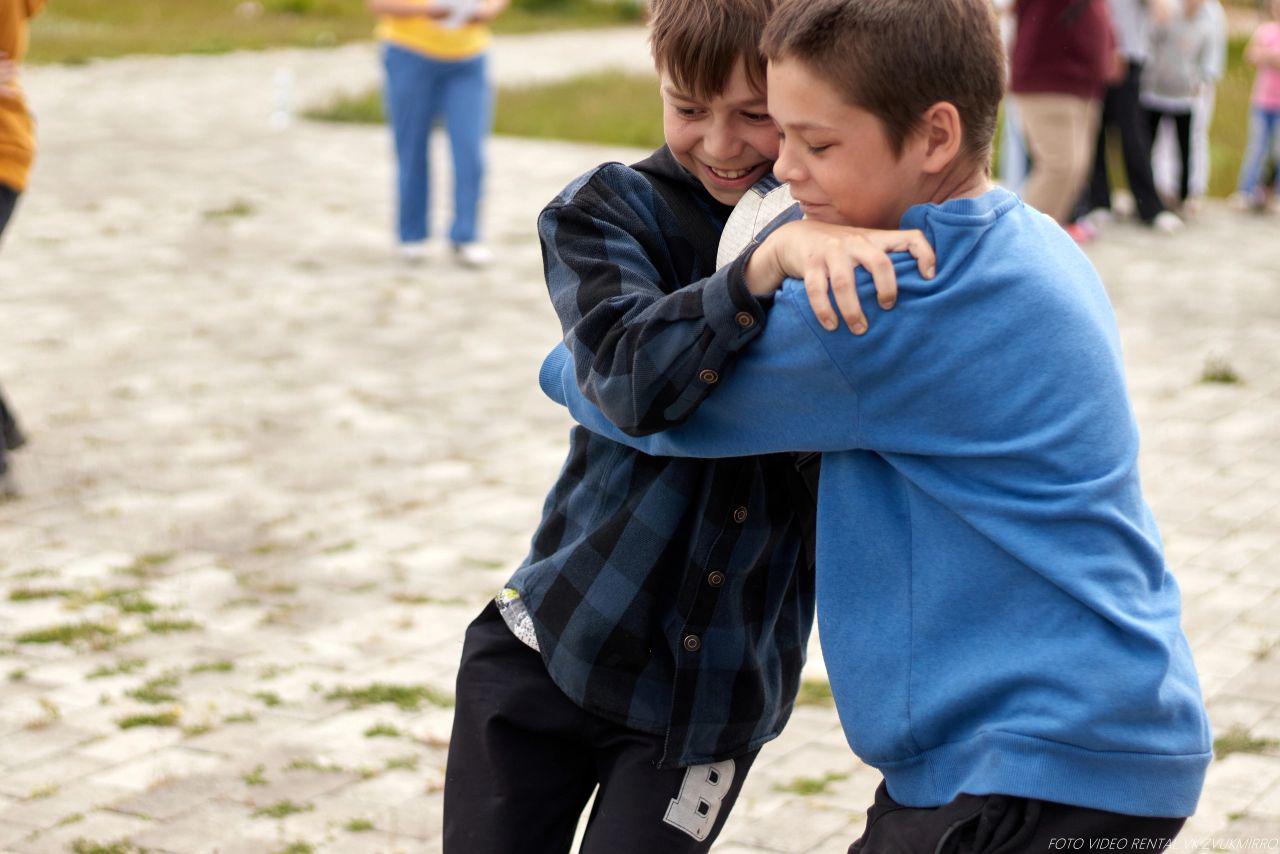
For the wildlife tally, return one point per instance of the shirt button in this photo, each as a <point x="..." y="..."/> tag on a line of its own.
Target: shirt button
<point x="746" y="321"/>
<point x="716" y="578"/>
<point x="709" y="377"/>
<point x="740" y="515"/>
<point x="692" y="643"/>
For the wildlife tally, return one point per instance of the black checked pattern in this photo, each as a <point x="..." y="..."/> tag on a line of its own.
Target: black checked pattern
<point x="673" y="596"/>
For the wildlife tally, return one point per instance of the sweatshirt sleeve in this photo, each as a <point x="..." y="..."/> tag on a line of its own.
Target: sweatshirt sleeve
<point x="784" y="393"/>
<point x="639" y="331"/>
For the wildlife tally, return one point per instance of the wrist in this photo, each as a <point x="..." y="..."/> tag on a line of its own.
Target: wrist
<point x="762" y="274"/>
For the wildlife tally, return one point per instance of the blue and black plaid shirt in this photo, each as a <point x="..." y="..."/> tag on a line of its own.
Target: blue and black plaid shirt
<point x="674" y="596"/>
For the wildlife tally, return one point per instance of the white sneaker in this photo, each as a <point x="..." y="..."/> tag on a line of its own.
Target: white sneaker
<point x="474" y="255"/>
<point x="1168" y="222"/>
<point x="1123" y="204"/>
<point x="1099" y="218"/>
<point x="414" y="253"/>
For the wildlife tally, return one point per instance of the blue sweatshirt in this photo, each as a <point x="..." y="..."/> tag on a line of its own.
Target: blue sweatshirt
<point x="994" y="607"/>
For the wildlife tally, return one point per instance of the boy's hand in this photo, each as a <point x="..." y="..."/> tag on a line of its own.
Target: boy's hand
<point x="487" y="11"/>
<point x="825" y="257"/>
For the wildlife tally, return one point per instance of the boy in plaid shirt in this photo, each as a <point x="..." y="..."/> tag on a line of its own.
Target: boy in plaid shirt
<point x="653" y="638"/>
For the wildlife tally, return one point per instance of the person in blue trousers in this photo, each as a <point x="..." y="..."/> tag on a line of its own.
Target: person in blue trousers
<point x="436" y="59"/>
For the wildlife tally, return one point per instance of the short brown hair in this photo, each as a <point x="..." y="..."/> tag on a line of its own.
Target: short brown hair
<point x="698" y="42"/>
<point x="897" y="58"/>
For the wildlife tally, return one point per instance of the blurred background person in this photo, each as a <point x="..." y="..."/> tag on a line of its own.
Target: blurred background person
<point x="1014" y="160"/>
<point x="436" y="59"/>
<point x="1263" y="51"/>
<point x="1131" y="20"/>
<point x="17" y="150"/>
<point x="1165" y="162"/>
<point x="1062" y="55"/>
<point x="1181" y="64"/>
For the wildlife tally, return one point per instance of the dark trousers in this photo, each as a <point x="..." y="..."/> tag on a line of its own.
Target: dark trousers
<point x="524" y="760"/>
<point x="1121" y="110"/>
<point x="1182" y="124"/>
<point x="1000" y="824"/>
<point x="8" y="201"/>
<point x="11" y="437"/>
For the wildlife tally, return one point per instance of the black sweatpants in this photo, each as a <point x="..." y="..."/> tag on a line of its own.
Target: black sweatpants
<point x="1121" y="110"/>
<point x="524" y="760"/>
<point x="10" y="436"/>
<point x="1182" y="124"/>
<point x="1000" y="824"/>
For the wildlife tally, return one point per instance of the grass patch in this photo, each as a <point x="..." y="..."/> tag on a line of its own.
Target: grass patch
<point x="169" y="718"/>
<point x="358" y="825"/>
<point x="814" y="692"/>
<point x="74" y="818"/>
<point x="382" y="731"/>
<point x="407" y="697"/>
<point x="256" y="777"/>
<point x="32" y="594"/>
<point x="280" y="809"/>
<point x="402" y="763"/>
<point x="1238" y="740"/>
<point x="238" y="208"/>
<point x="223" y="666"/>
<point x="46" y="791"/>
<point x="70" y="634"/>
<point x="156" y="691"/>
<point x="129" y="665"/>
<point x="297" y="848"/>
<point x="269" y="699"/>
<point x="88" y="846"/>
<point x="144" y="566"/>
<point x="308" y="764"/>
<point x="610" y="108"/>
<point x="241" y="718"/>
<point x="810" y="785"/>
<point x="1218" y="370"/>
<point x="165" y="627"/>
<point x="74" y="31"/>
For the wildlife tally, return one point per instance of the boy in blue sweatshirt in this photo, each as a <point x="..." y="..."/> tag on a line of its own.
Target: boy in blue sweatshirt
<point x="1000" y="628"/>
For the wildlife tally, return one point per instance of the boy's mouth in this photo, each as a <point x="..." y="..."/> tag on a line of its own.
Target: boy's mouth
<point x="735" y="179"/>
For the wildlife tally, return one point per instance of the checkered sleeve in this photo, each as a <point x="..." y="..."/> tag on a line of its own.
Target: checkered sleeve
<point x="650" y="339"/>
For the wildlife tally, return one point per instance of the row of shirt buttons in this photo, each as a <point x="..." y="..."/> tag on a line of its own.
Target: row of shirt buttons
<point x="716" y="579"/>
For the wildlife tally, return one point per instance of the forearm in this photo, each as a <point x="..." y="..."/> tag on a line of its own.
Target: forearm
<point x="397" y="8"/>
<point x="783" y="394"/>
<point x="644" y="348"/>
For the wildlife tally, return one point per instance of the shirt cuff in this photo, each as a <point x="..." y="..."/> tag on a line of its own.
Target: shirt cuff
<point x="732" y="312"/>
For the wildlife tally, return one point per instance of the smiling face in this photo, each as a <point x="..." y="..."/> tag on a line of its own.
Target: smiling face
<point x="727" y="141"/>
<point x="838" y="158"/>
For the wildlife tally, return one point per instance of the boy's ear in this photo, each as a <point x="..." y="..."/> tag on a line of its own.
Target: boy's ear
<point x="943" y="134"/>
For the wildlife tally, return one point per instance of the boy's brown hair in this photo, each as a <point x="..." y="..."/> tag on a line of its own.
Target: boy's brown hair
<point x="698" y="42"/>
<point x="897" y="58"/>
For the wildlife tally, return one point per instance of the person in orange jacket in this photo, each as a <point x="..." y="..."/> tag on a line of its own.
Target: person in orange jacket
<point x="17" y="150"/>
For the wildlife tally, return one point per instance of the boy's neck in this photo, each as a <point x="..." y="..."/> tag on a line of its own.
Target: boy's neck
<point x="957" y="184"/>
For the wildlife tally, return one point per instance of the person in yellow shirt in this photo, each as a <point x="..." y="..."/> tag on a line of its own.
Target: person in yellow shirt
<point x="436" y="58"/>
<point x="17" y="149"/>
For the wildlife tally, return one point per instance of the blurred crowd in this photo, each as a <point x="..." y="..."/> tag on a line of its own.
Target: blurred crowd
<point x="1145" y="71"/>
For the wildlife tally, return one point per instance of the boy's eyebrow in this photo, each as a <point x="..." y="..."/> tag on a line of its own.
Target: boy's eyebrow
<point x="684" y="96"/>
<point x="804" y="126"/>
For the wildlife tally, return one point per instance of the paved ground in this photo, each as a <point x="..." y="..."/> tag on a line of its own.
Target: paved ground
<point x="271" y="470"/>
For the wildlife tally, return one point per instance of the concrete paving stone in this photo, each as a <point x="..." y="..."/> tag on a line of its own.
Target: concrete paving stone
<point x="1227" y="712"/>
<point x="175" y="796"/>
<point x="1246" y="774"/>
<point x="216" y="826"/>
<point x="74" y="796"/>
<point x="57" y="770"/>
<point x="169" y="763"/>
<point x="793" y="826"/>
<point x="30" y="744"/>
<point x="101" y="826"/>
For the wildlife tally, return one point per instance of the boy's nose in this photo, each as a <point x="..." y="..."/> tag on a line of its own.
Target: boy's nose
<point x="721" y="144"/>
<point x="785" y="167"/>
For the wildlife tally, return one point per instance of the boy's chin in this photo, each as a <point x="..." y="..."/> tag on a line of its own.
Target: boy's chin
<point x="724" y="196"/>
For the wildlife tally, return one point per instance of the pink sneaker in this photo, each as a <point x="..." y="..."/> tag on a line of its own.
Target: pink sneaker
<point x="1081" y="232"/>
